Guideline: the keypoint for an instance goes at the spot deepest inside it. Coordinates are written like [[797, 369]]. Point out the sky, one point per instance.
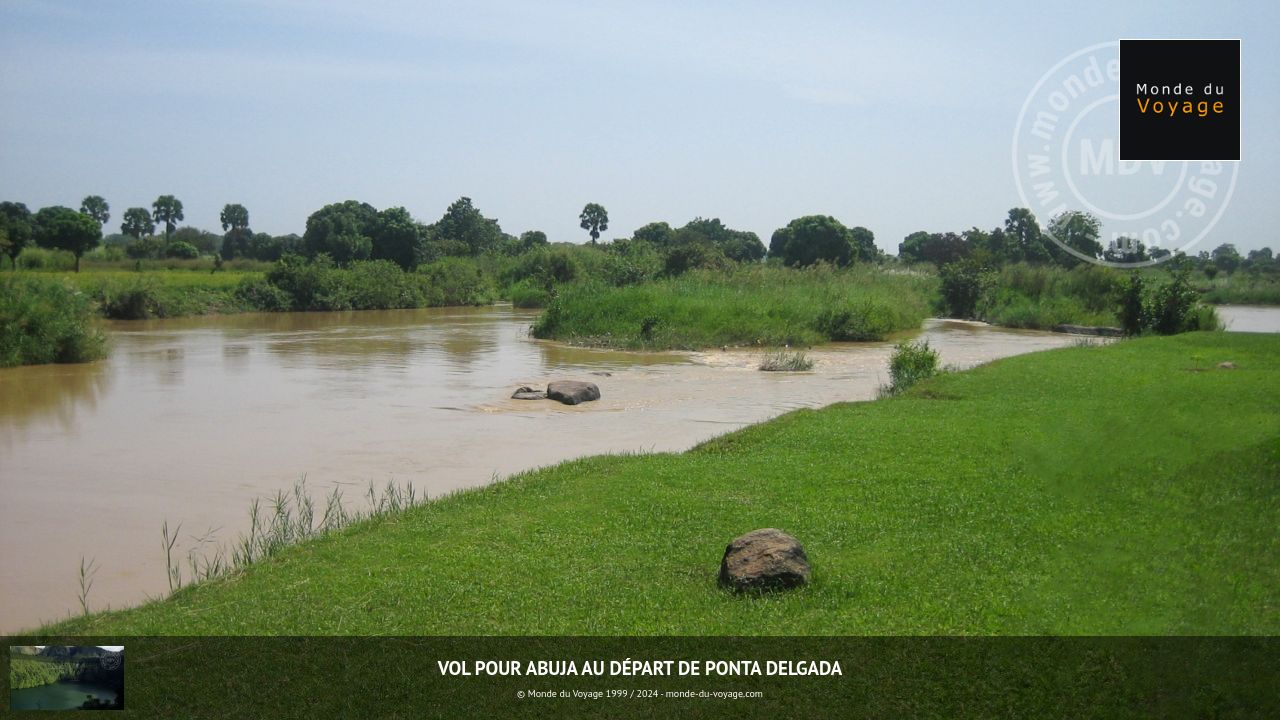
[[895, 116]]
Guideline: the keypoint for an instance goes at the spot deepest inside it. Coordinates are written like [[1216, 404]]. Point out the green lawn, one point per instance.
[[1128, 489]]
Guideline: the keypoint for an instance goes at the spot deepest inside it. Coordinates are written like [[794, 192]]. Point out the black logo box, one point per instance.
[[1187, 68]]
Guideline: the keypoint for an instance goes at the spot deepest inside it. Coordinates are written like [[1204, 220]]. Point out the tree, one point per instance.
[[167, 209], [530, 239], [97, 208], [809, 239], [738, 245], [464, 223], [16, 231], [341, 231], [594, 219], [1261, 255], [864, 244], [65, 229], [1227, 258], [1078, 231], [235, 223], [1023, 239], [137, 223], [396, 237], [657, 234]]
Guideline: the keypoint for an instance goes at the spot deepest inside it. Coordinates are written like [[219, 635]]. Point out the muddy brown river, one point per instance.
[[190, 419]]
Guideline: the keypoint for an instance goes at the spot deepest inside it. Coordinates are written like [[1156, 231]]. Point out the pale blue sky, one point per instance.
[[894, 116]]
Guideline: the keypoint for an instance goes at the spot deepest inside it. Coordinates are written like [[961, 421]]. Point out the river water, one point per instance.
[[59, 696], [190, 419]]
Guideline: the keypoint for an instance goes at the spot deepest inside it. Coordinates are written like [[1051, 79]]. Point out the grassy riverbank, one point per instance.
[[1127, 489], [760, 305]]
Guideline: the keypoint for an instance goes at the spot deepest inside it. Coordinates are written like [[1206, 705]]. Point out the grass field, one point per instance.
[[759, 306], [1126, 489]]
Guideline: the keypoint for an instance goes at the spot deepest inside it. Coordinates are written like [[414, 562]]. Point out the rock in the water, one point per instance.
[[572, 392], [766, 559], [1228, 365], [528, 393]]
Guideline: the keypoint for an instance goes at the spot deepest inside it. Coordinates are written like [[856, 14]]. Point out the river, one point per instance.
[[59, 696], [190, 419]]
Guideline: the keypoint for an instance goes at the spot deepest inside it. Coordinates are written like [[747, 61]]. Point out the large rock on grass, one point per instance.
[[572, 392], [766, 559]]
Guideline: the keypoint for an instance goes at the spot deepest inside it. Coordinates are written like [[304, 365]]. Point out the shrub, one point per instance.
[[135, 298], [456, 281], [46, 321], [179, 249], [255, 293], [529, 294], [1133, 316], [911, 363], [381, 284], [963, 284], [310, 284], [1173, 305], [867, 320], [38, 258]]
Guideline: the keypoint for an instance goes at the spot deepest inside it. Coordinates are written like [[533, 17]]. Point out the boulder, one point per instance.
[[1228, 365], [572, 392], [528, 393], [766, 559]]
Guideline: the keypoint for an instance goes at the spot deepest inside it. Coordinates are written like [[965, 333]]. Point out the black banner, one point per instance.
[[694, 677]]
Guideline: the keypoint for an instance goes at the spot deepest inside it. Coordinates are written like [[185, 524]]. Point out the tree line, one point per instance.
[[352, 230]]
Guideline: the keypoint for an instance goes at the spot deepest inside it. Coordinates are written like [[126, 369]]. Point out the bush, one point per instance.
[[1174, 306], [963, 284], [867, 320], [256, 293], [456, 281], [147, 248], [911, 363], [310, 284], [179, 249], [38, 258], [529, 294], [135, 298], [46, 321], [1133, 315], [381, 284]]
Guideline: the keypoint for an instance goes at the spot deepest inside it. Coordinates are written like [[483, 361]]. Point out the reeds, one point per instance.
[[286, 519]]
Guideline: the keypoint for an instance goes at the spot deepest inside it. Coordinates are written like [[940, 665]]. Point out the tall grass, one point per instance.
[[44, 320], [1243, 289], [283, 520], [786, 361], [1043, 296], [749, 305]]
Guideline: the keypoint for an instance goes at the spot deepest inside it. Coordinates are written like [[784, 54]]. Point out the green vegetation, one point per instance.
[[1136, 498], [46, 321], [911, 362], [25, 673], [786, 361], [1242, 289], [1043, 296], [758, 305]]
